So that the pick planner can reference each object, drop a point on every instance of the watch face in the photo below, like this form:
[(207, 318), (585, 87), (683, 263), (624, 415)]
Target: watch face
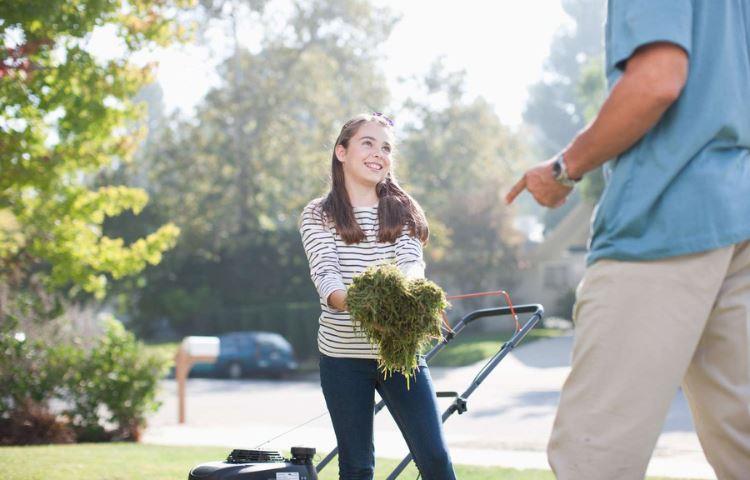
[(556, 168)]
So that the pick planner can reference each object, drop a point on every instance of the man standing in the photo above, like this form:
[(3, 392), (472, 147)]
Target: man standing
[(666, 295)]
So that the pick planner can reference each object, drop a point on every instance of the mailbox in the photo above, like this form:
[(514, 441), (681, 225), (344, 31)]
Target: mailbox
[(201, 346), (192, 350)]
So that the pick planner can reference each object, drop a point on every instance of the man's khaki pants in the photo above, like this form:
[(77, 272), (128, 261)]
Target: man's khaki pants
[(642, 329)]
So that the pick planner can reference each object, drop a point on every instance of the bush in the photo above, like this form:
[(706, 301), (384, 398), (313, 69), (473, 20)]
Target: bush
[(107, 389), (32, 373), (34, 424), (29, 370), (114, 385)]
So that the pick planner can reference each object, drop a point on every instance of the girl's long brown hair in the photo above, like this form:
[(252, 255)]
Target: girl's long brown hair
[(396, 208)]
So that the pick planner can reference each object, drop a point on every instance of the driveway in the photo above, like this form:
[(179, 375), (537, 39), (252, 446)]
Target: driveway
[(508, 422)]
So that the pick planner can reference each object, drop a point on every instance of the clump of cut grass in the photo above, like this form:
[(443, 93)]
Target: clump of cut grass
[(400, 315)]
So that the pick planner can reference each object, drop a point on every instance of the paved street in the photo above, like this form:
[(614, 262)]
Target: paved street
[(508, 420)]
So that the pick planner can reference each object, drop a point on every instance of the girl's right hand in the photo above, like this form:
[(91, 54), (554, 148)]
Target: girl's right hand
[(337, 300)]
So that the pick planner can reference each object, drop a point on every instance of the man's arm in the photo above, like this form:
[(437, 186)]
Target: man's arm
[(653, 79)]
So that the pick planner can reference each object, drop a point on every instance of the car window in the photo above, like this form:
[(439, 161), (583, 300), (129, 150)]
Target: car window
[(229, 344), (275, 341)]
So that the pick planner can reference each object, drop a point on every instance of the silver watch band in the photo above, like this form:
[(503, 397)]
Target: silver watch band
[(560, 171)]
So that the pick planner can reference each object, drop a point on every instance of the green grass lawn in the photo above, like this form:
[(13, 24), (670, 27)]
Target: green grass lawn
[(469, 348), (128, 461)]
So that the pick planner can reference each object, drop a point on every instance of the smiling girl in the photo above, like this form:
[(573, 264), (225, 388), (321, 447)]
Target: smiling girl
[(368, 219)]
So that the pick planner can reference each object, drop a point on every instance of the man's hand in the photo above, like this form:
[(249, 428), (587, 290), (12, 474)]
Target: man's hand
[(541, 183), (652, 81)]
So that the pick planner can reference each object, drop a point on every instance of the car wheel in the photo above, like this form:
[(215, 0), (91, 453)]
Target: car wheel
[(235, 370)]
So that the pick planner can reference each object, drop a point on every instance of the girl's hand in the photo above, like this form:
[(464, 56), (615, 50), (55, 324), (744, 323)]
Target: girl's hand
[(337, 300)]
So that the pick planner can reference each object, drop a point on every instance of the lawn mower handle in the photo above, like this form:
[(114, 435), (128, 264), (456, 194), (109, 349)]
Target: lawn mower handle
[(448, 335), (459, 405)]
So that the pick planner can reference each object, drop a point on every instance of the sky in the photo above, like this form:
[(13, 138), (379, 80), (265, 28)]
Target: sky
[(501, 44)]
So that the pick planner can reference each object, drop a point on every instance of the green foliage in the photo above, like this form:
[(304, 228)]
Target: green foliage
[(456, 160), (235, 178), (65, 116), (109, 388), (555, 110), (401, 316), (116, 375), (30, 370), (263, 285)]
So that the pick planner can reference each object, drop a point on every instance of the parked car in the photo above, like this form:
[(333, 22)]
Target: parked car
[(252, 353)]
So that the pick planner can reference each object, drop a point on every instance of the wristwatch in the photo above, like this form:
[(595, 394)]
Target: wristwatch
[(560, 172)]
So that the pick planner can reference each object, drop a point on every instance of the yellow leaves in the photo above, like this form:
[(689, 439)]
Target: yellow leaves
[(112, 256), (35, 26), (144, 23), (71, 116), (12, 238), (110, 201), (96, 284), (66, 232)]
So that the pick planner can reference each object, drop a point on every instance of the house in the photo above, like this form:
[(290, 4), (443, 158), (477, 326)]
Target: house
[(551, 270)]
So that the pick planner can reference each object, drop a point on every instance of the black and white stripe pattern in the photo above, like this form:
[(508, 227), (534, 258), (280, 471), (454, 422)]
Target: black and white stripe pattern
[(333, 264)]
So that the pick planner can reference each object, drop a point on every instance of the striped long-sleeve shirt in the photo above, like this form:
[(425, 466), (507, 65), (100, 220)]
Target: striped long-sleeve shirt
[(333, 264)]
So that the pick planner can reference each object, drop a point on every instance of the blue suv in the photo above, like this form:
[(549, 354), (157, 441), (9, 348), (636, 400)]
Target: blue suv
[(253, 353)]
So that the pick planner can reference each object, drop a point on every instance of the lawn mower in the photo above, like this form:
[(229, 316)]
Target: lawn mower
[(270, 465)]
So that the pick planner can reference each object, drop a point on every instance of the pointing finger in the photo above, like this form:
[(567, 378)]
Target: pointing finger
[(519, 187)]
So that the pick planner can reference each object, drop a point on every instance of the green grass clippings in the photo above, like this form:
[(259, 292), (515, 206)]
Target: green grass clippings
[(399, 315)]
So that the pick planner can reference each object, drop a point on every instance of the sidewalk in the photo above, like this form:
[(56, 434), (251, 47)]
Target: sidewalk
[(508, 422)]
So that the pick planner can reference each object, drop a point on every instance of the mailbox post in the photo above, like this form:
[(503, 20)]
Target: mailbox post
[(192, 350)]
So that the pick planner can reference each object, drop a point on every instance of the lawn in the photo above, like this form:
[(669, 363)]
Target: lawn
[(150, 462), (469, 348)]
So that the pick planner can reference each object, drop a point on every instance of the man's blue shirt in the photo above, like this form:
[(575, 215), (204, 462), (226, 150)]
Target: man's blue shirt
[(685, 186)]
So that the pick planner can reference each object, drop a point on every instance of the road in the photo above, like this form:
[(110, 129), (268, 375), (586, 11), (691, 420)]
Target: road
[(508, 421)]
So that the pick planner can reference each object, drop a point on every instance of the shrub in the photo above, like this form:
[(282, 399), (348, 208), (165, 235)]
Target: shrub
[(31, 373), (107, 389), (29, 370), (114, 386), (33, 424)]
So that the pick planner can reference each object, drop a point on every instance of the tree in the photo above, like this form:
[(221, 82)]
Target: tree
[(555, 109), (237, 196), (65, 117), (455, 160)]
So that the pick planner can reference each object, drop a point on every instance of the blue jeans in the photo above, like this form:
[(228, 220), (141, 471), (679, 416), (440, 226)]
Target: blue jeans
[(349, 386)]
